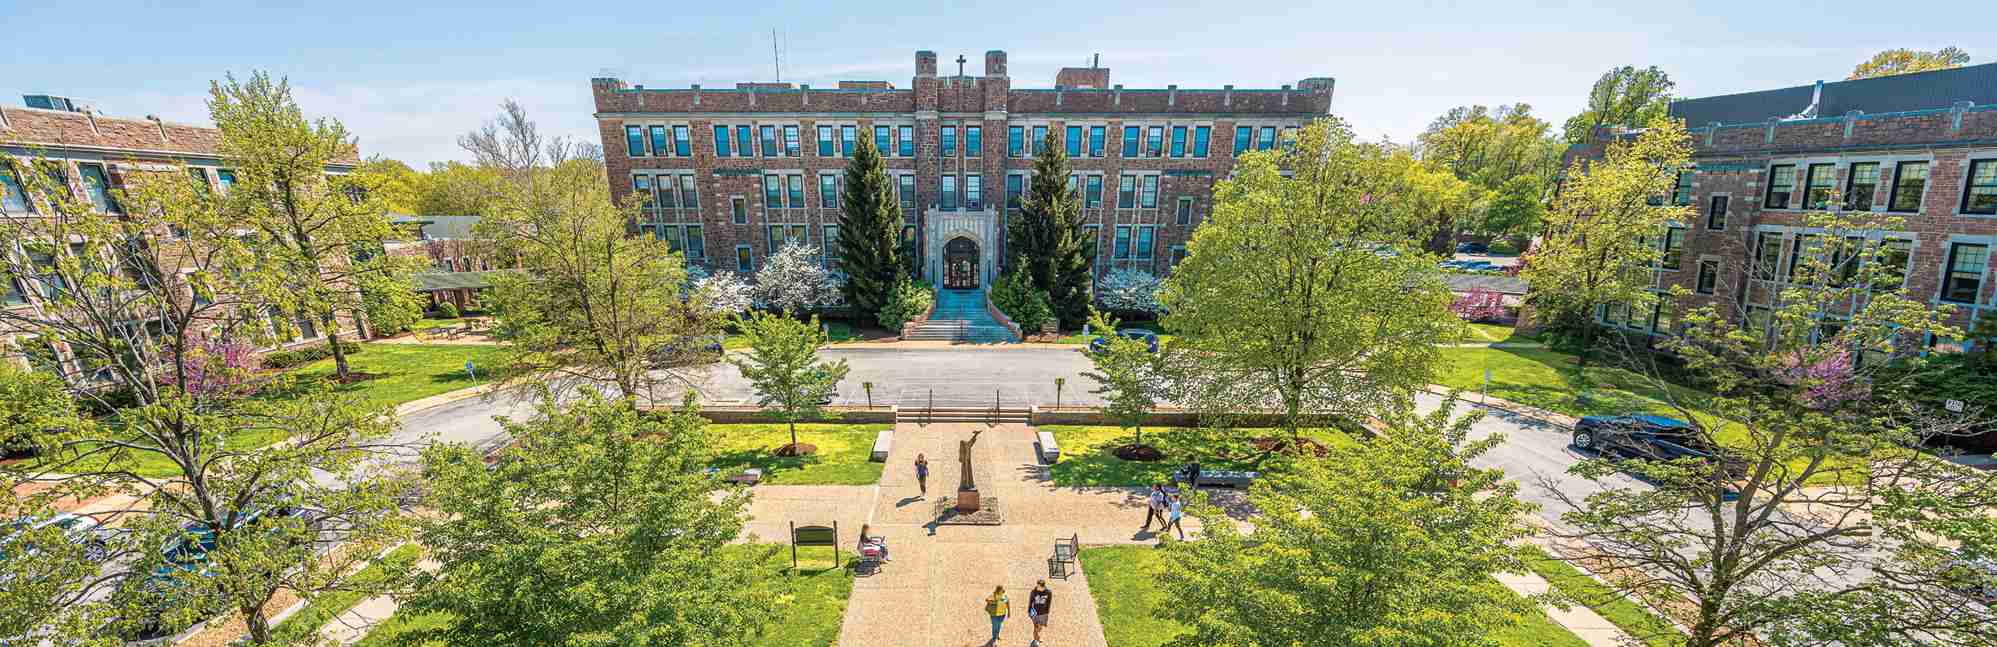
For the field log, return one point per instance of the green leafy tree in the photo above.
(1824, 521)
(1603, 236)
(1515, 210)
(392, 303)
(1625, 96)
(870, 223)
(308, 223)
(1907, 61)
(1048, 235)
(1022, 302)
(910, 299)
(1392, 541)
(398, 187)
(459, 189)
(1128, 376)
(1507, 155)
(782, 364)
(1284, 303)
(32, 405)
(599, 526)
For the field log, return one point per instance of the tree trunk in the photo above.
(339, 354)
(1140, 433)
(793, 435)
(259, 626)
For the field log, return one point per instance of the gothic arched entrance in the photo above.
(960, 264)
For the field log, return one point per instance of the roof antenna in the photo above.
(1096, 61)
(776, 59)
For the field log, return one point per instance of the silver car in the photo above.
(79, 529)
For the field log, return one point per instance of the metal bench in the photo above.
(1050, 451)
(882, 442)
(1065, 551)
(750, 476)
(1219, 478)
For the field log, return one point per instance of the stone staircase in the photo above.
(960, 316)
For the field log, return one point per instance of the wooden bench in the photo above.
(1050, 451)
(882, 442)
(1065, 551)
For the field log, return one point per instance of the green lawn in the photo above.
(1634, 618)
(837, 332)
(1123, 579)
(1087, 458)
(841, 459)
(811, 617)
(321, 611)
(1545, 379)
(1493, 333)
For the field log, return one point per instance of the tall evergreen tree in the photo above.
(1048, 236)
(869, 231)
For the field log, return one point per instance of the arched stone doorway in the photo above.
(960, 264)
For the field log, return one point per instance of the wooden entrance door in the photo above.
(960, 264)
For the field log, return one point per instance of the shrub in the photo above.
(1479, 304)
(447, 310)
(1015, 296)
(909, 300)
(31, 404)
(305, 355)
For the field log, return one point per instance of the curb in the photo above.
(444, 398)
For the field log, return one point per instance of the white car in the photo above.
(82, 530)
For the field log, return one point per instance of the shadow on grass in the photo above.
(1097, 466)
(762, 458)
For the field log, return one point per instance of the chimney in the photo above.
(995, 63)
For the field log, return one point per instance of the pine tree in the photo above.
(1048, 236)
(869, 232)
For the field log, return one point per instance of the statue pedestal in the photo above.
(967, 500)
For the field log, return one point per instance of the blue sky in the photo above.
(407, 79)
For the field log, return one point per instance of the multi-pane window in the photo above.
(905, 147)
(14, 199)
(1896, 255)
(778, 238)
(1154, 141)
(1716, 213)
(1126, 192)
(1243, 138)
(1015, 141)
(1821, 183)
(1709, 276)
(773, 191)
(1267, 139)
(1039, 140)
(769, 141)
(829, 241)
(828, 191)
(974, 191)
(791, 146)
(226, 179)
(949, 193)
(1184, 213)
(1178, 255)
(1074, 141)
(824, 141)
(1681, 193)
(682, 141)
(738, 209)
(883, 139)
(1767, 252)
(1122, 249)
(1910, 180)
(1860, 182)
(1092, 192)
(906, 187)
(634, 141)
(688, 194)
(1674, 247)
(1147, 196)
(1145, 237)
(662, 144)
(721, 141)
(1178, 141)
(1781, 184)
(1202, 138)
(1130, 141)
(1014, 186)
(668, 196)
(1801, 249)
(1980, 197)
(949, 140)
(744, 141)
(1096, 135)
(696, 245)
(642, 185)
(846, 136)
(796, 192)
(669, 233)
(1963, 281)
(974, 141)
(98, 187)
(744, 260)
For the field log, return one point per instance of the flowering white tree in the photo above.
(1130, 291)
(794, 281)
(724, 293)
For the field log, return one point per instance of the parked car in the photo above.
(78, 529)
(1478, 265)
(688, 351)
(1473, 248)
(1975, 578)
(185, 555)
(1150, 339)
(1647, 437)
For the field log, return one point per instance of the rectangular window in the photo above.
(689, 196)
(846, 135)
(949, 139)
(776, 239)
(1184, 212)
(721, 141)
(745, 262)
(1709, 276)
(1093, 234)
(949, 192)
(1178, 141)
(1897, 255)
(744, 141)
(1074, 141)
(791, 145)
(1130, 141)
(974, 141)
(824, 141)
(1681, 194)
(1178, 255)
(1092, 192)
(1243, 136)
(1767, 252)
(773, 191)
(667, 195)
(14, 199)
(682, 142)
(1096, 143)
(98, 187)
(883, 139)
(1126, 192)
(907, 188)
(796, 192)
(1154, 141)
(769, 141)
(642, 185)
(634, 141)
(1910, 180)
(974, 192)
(1860, 183)
(1716, 213)
(1122, 251)
(1800, 250)
(1202, 139)
(1144, 240)
(1781, 183)
(828, 191)
(696, 245)
(1039, 140)
(671, 234)
(1981, 195)
(906, 146)
(1963, 281)
(661, 141)
(738, 208)
(1674, 247)
(226, 179)
(1267, 140)
(829, 245)
(1015, 141)
(1821, 183)
(1147, 197)
(1014, 186)
(799, 234)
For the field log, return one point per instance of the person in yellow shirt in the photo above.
(1000, 609)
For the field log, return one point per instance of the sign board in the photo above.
(810, 536)
(470, 371)
(1954, 406)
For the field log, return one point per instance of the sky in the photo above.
(409, 79)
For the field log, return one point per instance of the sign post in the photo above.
(470, 370)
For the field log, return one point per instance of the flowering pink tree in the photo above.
(214, 366)
(1479, 304)
(1827, 382)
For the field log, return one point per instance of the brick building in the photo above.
(459, 266)
(96, 154)
(1920, 147)
(733, 173)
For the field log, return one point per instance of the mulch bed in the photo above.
(799, 449)
(1144, 453)
(1270, 444)
(988, 513)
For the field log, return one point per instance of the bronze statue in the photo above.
(967, 490)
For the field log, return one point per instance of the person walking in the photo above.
(922, 473)
(1154, 506)
(999, 608)
(1175, 511)
(1037, 604)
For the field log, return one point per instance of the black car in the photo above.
(1150, 339)
(1473, 248)
(1644, 436)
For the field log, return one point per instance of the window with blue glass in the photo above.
(1130, 137)
(682, 141)
(1126, 192)
(744, 259)
(1144, 240)
(1244, 136)
(824, 141)
(98, 187)
(1122, 244)
(949, 192)
(792, 147)
(905, 188)
(769, 141)
(1178, 141)
(906, 147)
(1015, 141)
(738, 209)
(226, 178)
(744, 141)
(1096, 134)
(846, 135)
(1074, 143)
(1201, 137)
(1092, 192)
(949, 139)
(883, 139)
(14, 199)
(1039, 140)
(828, 191)
(642, 185)
(689, 194)
(796, 192)
(974, 141)
(1154, 141)
(721, 141)
(634, 141)
(974, 192)
(667, 195)
(1014, 186)
(1147, 197)
(773, 191)
(1268, 139)
(661, 141)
